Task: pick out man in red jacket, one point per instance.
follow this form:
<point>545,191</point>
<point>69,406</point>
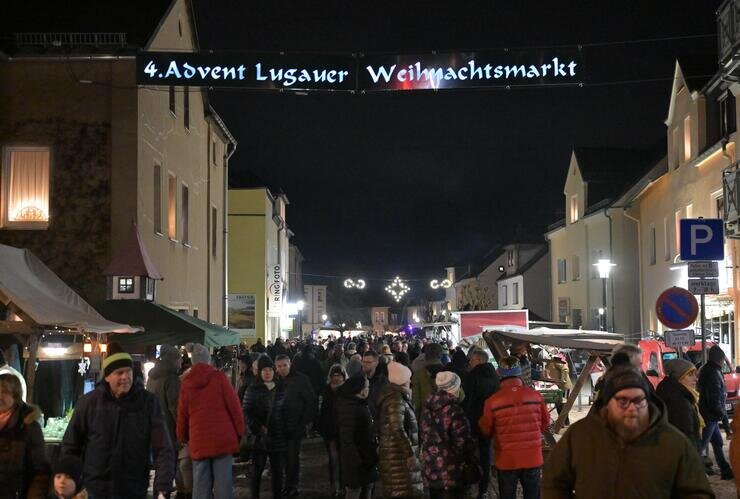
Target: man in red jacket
<point>210,421</point>
<point>515,418</point>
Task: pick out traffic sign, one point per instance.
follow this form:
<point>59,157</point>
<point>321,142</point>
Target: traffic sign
<point>683,338</point>
<point>702,239</point>
<point>704,286</point>
<point>703,269</point>
<point>676,308</point>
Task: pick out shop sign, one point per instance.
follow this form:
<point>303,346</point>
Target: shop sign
<point>274,290</point>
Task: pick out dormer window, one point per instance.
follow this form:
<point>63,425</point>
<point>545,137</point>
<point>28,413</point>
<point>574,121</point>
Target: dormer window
<point>126,285</point>
<point>574,208</point>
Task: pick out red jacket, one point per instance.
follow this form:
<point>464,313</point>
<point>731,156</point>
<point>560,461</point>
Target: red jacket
<point>209,416</point>
<point>515,417</point>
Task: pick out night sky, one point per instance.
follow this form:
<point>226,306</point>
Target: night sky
<point>410,182</point>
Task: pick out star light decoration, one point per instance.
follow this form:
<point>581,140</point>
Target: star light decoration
<point>359,283</point>
<point>397,288</point>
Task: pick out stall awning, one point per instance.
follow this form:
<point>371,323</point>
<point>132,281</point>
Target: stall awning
<point>165,326</point>
<point>597,341</point>
<point>41,295</point>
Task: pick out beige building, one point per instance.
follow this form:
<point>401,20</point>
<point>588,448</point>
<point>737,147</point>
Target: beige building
<point>87,153</point>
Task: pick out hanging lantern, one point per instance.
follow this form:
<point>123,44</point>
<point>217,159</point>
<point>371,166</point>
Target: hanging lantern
<point>87,347</point>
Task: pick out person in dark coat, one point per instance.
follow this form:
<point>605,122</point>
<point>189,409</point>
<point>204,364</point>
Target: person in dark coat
<point>712,399</point>
<point>358,447</point>
<point>265,414</point>
<point>678,393</point>
<point>328,427</point>
<point>307,363</point>
<point>113,430</point>
<point>377,377</point>
<point>258,347</point>
<point>459,363</point>
<point>24,471</point>
<point>301,406</point>
<point>479,384</point>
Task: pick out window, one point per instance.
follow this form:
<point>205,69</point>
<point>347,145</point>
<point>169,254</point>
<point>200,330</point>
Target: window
<point>562,277</point>
<point>719,203</point>
<point>213,149</point>
<point>576,268</point>
<point>157,201</point>
<point>510,258</point>
<point>195,313</point>
<point>666,240</point>
<point>125,285</point>
<point>172,100</point>
<point>676,143</point>
<point>515,293</point>
<point>690,210</point>
<point>186,107</point>
<point>687,138</point>
<point>25,187</point>
<point>574,209</point>
<point>577,317</point>
<point>214,231</point>
<point>184,206</point>
<point>504,295</point>
<point>652,245</point>
<point>179,27</point>
<point>677,219</point>
<point>149,288</point>
<point>172,207</point>
<point>596,255</point>
<point>728,119</point>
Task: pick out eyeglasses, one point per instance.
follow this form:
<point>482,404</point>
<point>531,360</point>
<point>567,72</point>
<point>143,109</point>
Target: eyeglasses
<point>638,402</point>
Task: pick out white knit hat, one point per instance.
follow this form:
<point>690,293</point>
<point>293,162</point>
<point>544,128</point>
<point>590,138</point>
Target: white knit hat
<point>200,354</point>
<point>448,381</point>
<point>398,374</point>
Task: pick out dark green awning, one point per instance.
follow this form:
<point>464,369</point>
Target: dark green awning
<point>163,325</point>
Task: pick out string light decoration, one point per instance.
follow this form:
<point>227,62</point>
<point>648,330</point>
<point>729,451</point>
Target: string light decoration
<point>435,284</point>
<point>397,288</point>
<point>359,283</point>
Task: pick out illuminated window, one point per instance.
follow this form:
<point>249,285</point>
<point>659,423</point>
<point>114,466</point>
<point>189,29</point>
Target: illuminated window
<point>157,201</point>
<point>185,207</point>
<point>687,138</point>
<point>690,210</point>
<point>172,207</point>
<point>677,219</point>
<point>675,147</point>
<point>25,187</point>
<point>125,285</point>
<point>562,276</point>
<point>574,209</point>
<point>510,258</point>
<point>504,295</point>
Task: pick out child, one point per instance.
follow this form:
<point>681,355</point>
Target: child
<point>68,479</point>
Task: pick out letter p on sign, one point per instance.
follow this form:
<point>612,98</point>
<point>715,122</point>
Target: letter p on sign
<point>702,239</point>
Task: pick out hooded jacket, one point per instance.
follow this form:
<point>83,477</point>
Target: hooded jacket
<point>115,437</point>
<point>711,387</point>
<point>445,442</point>
<point>399,436</point>
<point>422,384</point>
<point>164,382</point>
<point>209,416</point>
<point>680,408</point>
<point>478,384</point>
<point>358,447</point>
<point>591,461</point>
<point>24,471</point>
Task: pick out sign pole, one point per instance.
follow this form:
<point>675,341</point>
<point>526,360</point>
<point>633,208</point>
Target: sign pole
<point>703,334</point>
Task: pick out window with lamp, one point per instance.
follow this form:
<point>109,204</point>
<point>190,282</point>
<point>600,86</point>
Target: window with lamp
<point>125,285</point>
<point>25,188</point>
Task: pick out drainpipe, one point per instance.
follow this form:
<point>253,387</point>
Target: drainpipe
<point>639,263</point>
<point>229,152</point>
<point>611,254</point>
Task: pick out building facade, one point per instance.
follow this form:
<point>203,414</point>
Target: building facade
<point>525,282</point>
<point>314,308</point>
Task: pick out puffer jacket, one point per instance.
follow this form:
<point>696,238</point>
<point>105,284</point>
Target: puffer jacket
<point>327,424</point>
<point>164,382</point>
<point>209,416</point>
<point>115,437</point>
<point>591,462</point>
<point>480,383</point>
<point>712,392</point>
<point>257,401</point>
<point>515,418</point>
<point>681,410</point>
<point>24,471</point>
<point>358,447</point>
<point>445,441</point>
<point>398,440</point>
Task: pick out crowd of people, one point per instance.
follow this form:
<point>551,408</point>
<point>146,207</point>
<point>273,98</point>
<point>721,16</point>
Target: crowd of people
<point>399,419</point>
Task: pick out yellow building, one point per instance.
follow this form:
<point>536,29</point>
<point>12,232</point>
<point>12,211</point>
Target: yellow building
<point>258,257</point>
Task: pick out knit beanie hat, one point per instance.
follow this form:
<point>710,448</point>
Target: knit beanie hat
<point>169,354</point>
<point>509,367</point>
<point>353,385</point>
<point>337,369</point>
<point>71,466</point>
<point>398,374</point>
<point>620,378</point>
<point>677,368</point>
<point>448,381</point>
<point>200,354</point>
<point>354,366</point>
<point>116,361</point>
<point>263,362</point>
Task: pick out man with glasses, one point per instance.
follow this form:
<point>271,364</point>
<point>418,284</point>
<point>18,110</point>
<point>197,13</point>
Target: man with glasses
<point>625,447</point>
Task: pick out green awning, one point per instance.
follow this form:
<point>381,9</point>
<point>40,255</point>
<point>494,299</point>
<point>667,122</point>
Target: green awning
<point>164,326</point>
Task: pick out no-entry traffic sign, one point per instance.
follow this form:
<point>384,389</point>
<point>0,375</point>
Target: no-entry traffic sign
<point>676,308</point>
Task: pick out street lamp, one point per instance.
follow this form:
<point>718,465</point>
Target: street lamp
<point>604,266</point>
<point>324,317</point>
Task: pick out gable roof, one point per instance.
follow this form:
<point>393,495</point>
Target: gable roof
<point>692,72</point>
<point>138,20</point>
<point>544,250</point>
<point>132,259</point>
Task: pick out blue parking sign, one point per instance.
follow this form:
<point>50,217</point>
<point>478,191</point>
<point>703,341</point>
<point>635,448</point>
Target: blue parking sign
<point>702,239</point>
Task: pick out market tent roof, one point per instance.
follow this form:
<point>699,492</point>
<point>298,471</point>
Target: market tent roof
<point>598,341</point>
<point>41,295</point>
<point>164,325</point>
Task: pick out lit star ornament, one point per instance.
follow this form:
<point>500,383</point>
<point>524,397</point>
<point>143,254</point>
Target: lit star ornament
<point>397,288</point>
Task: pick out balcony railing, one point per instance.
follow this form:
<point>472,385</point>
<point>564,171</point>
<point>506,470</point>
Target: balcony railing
<point>728,30</point>
<point>50,40</point>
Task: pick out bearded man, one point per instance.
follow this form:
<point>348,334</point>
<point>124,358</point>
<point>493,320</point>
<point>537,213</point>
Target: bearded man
<point>625,448</point>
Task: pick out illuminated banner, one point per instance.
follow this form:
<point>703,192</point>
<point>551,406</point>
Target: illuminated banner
<point>497,68</point>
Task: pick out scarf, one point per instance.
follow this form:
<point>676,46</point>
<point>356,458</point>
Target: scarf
<point>5,417</point>
<point>270,385</point>
<point>695,401</point>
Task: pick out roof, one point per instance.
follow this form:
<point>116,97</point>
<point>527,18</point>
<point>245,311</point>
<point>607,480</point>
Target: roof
<point>132,259</point>
<point>164,325</point>
<point>598,341</point>
<point>47,300</point>
<point>544,250</point>
<point>137,19</point>
<point>609,172</point>
<point>698,69</point>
